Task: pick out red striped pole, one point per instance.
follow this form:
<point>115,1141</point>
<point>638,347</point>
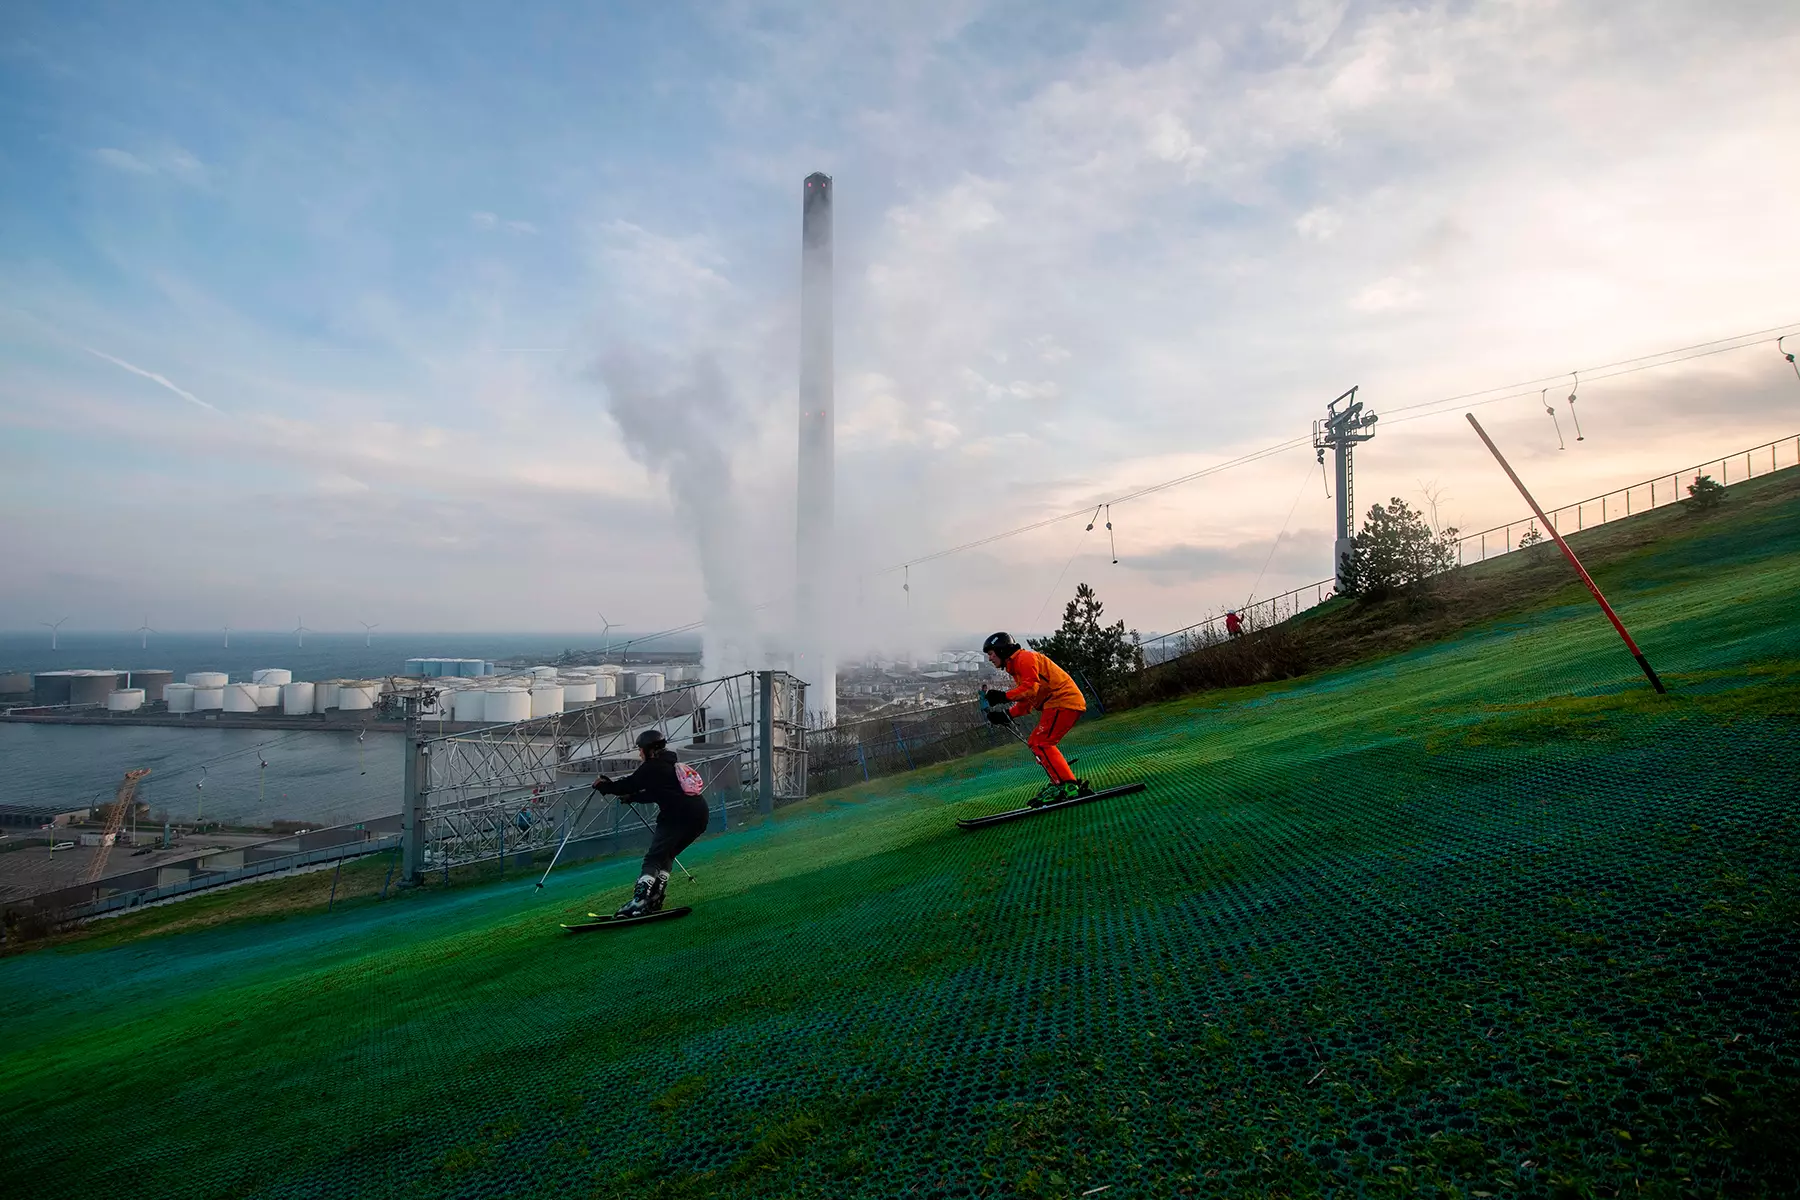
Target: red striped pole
<point>1569,554</point>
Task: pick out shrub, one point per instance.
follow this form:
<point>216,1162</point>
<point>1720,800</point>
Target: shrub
<point>1531,537</point>
<point>1704,494</point>
<point>1395,548</point>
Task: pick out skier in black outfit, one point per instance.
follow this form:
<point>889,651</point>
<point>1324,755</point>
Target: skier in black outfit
<point>681,819</point>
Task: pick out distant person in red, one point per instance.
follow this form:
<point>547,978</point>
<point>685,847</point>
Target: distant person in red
<point>1233,625</point>
<point>1040,684</point>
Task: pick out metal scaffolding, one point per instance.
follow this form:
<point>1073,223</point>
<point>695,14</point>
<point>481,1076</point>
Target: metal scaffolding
<point>518,788</point>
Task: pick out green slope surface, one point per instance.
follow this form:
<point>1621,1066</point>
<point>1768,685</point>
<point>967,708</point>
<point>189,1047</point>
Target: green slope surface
<point>1483,918</point>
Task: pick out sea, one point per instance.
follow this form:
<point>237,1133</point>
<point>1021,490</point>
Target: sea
<point>237,776</point>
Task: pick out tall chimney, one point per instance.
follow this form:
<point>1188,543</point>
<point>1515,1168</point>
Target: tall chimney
<point>814,655</point>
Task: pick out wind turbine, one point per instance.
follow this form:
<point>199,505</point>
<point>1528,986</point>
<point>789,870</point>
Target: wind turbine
<point>300,632</point>
<point>144,631</point>
<point>605,632</point>
<point>53,626</point>
<point>228,637</point>
<point>366,628</point>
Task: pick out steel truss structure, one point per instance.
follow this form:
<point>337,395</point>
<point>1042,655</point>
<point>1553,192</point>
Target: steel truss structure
<point>519,788</point>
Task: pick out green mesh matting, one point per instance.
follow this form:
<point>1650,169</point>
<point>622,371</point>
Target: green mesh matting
<point>1485,918</point>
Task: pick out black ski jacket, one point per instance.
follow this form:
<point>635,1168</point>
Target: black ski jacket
<point>654,783</point>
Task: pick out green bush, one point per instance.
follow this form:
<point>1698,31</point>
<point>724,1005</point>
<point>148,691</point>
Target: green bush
<point>1704,494</point>
<point>1395,548</point>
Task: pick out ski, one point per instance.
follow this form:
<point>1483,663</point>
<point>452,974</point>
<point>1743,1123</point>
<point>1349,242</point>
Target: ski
<point>602,922</point>
<point>1015,814</point>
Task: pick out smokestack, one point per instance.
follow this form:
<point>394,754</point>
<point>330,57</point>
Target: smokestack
<point>814,655</point>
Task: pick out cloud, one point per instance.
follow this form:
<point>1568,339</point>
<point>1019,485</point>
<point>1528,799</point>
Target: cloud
<point>172,162</point>
<point>154,378</point>
<point>488,220</point>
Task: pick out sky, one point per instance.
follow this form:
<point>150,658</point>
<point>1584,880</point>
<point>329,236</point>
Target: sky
<point>471,316</point>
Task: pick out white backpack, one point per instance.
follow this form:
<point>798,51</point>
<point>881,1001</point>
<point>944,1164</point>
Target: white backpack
<point>689,779</point>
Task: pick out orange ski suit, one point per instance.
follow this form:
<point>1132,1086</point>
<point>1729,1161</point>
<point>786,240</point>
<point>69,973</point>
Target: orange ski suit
<point>1041,684</point>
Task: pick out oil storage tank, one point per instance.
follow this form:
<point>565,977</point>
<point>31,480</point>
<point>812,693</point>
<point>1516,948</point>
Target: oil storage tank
<point>579,691</point>
<point>93,687</point>
<point>274,675</point>
<point>242,697</point>
<point>325,694</point>
<point>504,705</point>
<point>357,696</point>
<point>469,704</point>
<point>208,679</point>
<point>647,683</point>
<point>209,699</point>
<point>297,699</point>
<point>51,687</point>
<point>546,699</point>
<point>179,697</point>
<point>153,683</point>
<point>125,700</point>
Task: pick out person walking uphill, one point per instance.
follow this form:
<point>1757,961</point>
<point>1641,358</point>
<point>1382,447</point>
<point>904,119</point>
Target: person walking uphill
<point>681,817</point>
<point>1040,684</point>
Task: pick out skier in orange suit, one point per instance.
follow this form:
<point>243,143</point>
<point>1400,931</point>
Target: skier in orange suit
<point>1039,684</point>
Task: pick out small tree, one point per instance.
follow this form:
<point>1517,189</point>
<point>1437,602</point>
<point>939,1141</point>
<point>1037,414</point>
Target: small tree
<point>1704,494</point>
<point>1531,537</point>
<point>1396,548</point>
<point>1104,653</point>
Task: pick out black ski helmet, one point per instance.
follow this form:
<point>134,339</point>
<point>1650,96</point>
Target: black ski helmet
<point>1001,644</point>
<point>651,739</point>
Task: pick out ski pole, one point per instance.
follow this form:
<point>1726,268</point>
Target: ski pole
<point>567,833</point>
<point>652,829</point>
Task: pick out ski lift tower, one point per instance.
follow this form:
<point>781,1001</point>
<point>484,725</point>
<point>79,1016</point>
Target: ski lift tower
<point>1340,431</point>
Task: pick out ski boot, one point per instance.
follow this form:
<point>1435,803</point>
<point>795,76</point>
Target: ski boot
<point>657,891</point>
<point>1075,789</point>
<point>1050,793</point>
<point>639,904</point>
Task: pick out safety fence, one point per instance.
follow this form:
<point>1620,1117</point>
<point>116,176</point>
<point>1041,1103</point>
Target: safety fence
<point>520,788</point>
<point>1484,544</point>
<point>857,751</point>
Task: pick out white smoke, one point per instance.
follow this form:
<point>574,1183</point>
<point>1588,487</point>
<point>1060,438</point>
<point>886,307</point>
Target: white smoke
<point>680,418</point>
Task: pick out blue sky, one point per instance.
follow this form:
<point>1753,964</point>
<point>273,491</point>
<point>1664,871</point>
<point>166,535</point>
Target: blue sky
<point>305,307</point>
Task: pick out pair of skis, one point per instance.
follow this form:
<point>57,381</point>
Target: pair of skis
<point>601,921</point>
<point>1053,806</point>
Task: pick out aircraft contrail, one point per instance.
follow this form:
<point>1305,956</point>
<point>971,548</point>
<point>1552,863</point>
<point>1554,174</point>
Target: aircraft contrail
<point>154,378</point>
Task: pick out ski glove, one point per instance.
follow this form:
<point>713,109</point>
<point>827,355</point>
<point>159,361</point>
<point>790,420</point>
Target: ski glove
<point>998,716</point>
<point>995,697</point>
<point>599,781</point>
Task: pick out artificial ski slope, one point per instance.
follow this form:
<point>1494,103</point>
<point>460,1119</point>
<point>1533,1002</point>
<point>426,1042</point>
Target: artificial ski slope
<point>1486,917</point>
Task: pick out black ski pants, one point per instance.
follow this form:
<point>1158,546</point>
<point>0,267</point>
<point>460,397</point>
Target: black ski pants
<point>675,831</point>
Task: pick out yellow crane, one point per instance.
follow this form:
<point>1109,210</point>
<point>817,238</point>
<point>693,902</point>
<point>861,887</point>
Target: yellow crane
<point>125,800</point>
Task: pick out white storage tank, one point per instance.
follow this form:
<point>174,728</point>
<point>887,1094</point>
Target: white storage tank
<point>274,675</point>
<point>648,682</point>
<point>542,672</point>
<point>243,697</point>
<point>358,696</point>
<point>208,679</point>
<point>606,685</point>
<point>325,695</point>
<point>546,699</point>
<point>179,697</point>
<point>504,705</point>
<point>209,699</point>
<point>468,705</point>
<point>297,699</point>
<point>268,694</point>
<point>125,700</point>
<point>579,691</point>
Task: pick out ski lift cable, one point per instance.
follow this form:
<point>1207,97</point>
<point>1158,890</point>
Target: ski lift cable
<point>1417,411</point>
<point>1305,479</point>
<point>1079,541</point>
